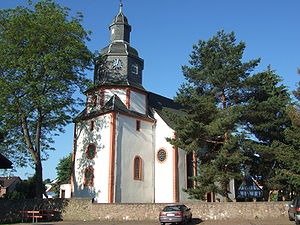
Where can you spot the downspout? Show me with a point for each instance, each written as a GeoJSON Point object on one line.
{"type": "Point", "coordinates": [154, 157]}
{"type": "Point", "coordinates": [73, 160]}
{"type": "Point", "coordinates": [111, 175]}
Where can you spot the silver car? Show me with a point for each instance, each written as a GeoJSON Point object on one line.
{"type": "Point", "coordinates": [294, 211]}
{"type": "Point", "coordinates": [175, 214]}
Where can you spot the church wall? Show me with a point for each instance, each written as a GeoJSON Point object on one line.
{"type": "Point", "coordinates": [121, 93]}
{"type": "Point", "coordinates": [138, 102]}
{"type": "Point", "coordinates": [100, 137]}
{"type": "Point", "coordinates": [132, 143]}
{"type": "Point", "coordinates": [164, 188]}
{"type": "Point", "coordinates": [182, 175]}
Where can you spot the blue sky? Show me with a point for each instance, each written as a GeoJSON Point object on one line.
{"type": "Point", "coordinates": [163, 31]}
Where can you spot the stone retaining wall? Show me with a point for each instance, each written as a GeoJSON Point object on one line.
{"type": "Point", "coordinates": [85, 210]}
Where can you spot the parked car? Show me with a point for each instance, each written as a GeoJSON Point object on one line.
{"type": "Point", "coordinates": [175, 214]}
{"type": "Point", "coordinates": [294, 211]}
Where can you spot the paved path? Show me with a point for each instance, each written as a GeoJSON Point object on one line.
{"type": "Point", "coordinates": [278, 221]}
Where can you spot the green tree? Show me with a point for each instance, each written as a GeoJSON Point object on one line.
{"type": "Point", "coordinates": [213, 99]}
{"type": "Point", "coordinates": [266, 120]}
{"type": "Point", "coordinates": [43, 58]}
{"type": "Point", "coordinates": [23, 190]}
{"type": "Point", "coordinates": [63, 171]}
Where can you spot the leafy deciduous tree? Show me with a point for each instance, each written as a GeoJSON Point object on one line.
{"type": "Point", "coordinates": [63, 171]}
{"type": "Point", "coordinates": [43, 57]}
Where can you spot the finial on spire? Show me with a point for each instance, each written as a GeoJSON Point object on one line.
{"type": "Point", "coordinates": [121, 6]}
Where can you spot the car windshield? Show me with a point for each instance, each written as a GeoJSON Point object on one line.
{"type": "Point", "coordinates": [172, 208]}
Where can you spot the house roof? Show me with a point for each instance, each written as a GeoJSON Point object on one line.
{"type": "Point", "coordinates": [4, 162]}
{"type": "Point", "coordinates": [7, 181]}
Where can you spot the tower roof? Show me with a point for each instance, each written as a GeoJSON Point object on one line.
{"type": "Point", "coordinates": [120, 64]}
{"type": "Point", "coordinates": [120, 29]}
{"type": "Point", "coordinates": [120, 18]}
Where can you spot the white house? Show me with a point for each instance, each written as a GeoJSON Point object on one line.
{"type": "Point", "coordinates": [120, 149]}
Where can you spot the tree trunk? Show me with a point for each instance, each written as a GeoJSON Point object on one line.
{"type": "Point", "coordinates": [34, 150]}
{"type": "Point", "coordinates": [39, 188]}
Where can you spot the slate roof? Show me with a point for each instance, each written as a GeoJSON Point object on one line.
{"type": "Point", "coordinates": [5, 163]}
{"type": "Point", "coordinates": [114, 104]}
{"type": "Point", "coordinates": [111, 82]}
{"type": "Point", "coordinates": [157, 103]}
{"type": "Point", "coordinates": [7, 181]}
{"type": "Point", "coordinates": [163, 105]}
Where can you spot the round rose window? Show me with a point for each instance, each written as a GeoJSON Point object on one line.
{"type": "Point", "coordinates": [161, 155]}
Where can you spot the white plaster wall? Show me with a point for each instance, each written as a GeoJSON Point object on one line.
{"type": "Point", "coordinates": [137, 102]}
{"type": "Point", "coordinates": [89, 100]}
{"type": "Point", "coordinates": [67, 189]}
{"type": "Point", "coordinates": [131, 143]}
{"type": "Point", "coordinates": [100, 136]}
{"type": "Point", "coordinates": [121, 93]}
{"type": "Point", "coordinates": [163, 170]}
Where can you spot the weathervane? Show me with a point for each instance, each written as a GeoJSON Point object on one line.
{"type": "Point", "coordinates": [121, 5]}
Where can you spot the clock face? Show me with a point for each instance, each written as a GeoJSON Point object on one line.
{"type": "Point", "coordinates": [134, 69]}
{"type": "Point", "coordinates": [116, 64]}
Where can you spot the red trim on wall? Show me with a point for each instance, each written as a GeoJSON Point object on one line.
{"type": "Point", "coordinates": [140, 175]}
{"type": "Point", "coordinates": [175, 173]}
{"type": "Point", "coordinates": [73, 160]}
{"type": "Point", "coordinates": [136, 117]}
{"type": "Point", "coordinates": [128, 98]}
{"type": "Point", "coordinates": [92, 170]}
{"type": "Point", "coordinates": [121, 113]}
{"type": "Point", "coordinates": [111, 175]}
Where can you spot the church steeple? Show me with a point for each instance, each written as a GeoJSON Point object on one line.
{"type": "Point", "coordinates": [120, 29]}
{"type": "Point", "coordinates": [120, 64]}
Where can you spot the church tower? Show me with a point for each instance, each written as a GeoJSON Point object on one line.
{"type": "Point", "coordinates": [119, 63]}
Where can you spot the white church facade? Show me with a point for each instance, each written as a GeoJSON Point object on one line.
{"type": "Point", "coordinates": [120, 152]}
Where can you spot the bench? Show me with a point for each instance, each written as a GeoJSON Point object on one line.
{"type": "Point", "coordinates": [38, 214]}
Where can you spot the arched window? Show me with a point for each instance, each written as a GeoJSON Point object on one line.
{"type": "Point", "coordinates": [90, 151]}
{"type": "Point", "coordinates": [137, 168]}
{"type": "Point", "coordinates": [92, 125]}
{"type": "Point", "coordinates": [94, 101]}
{"type": "Point", "coordinates": [138, 125]}
{"type": "Point", "coordinates": [89, 176]}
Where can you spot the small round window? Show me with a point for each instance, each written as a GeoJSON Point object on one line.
{"type": "Point", "coordinates": [91, 151]}
{"type": "Point", "coordinates": [161, 155]}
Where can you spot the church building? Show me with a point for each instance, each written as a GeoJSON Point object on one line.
{"type": "Point", "coordinates": [120, 152]}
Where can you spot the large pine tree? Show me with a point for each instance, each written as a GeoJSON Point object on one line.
{"type": "Point", "coordinates": [213, 99]}
{"type": "Point", "coordinates": [266, 120]}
